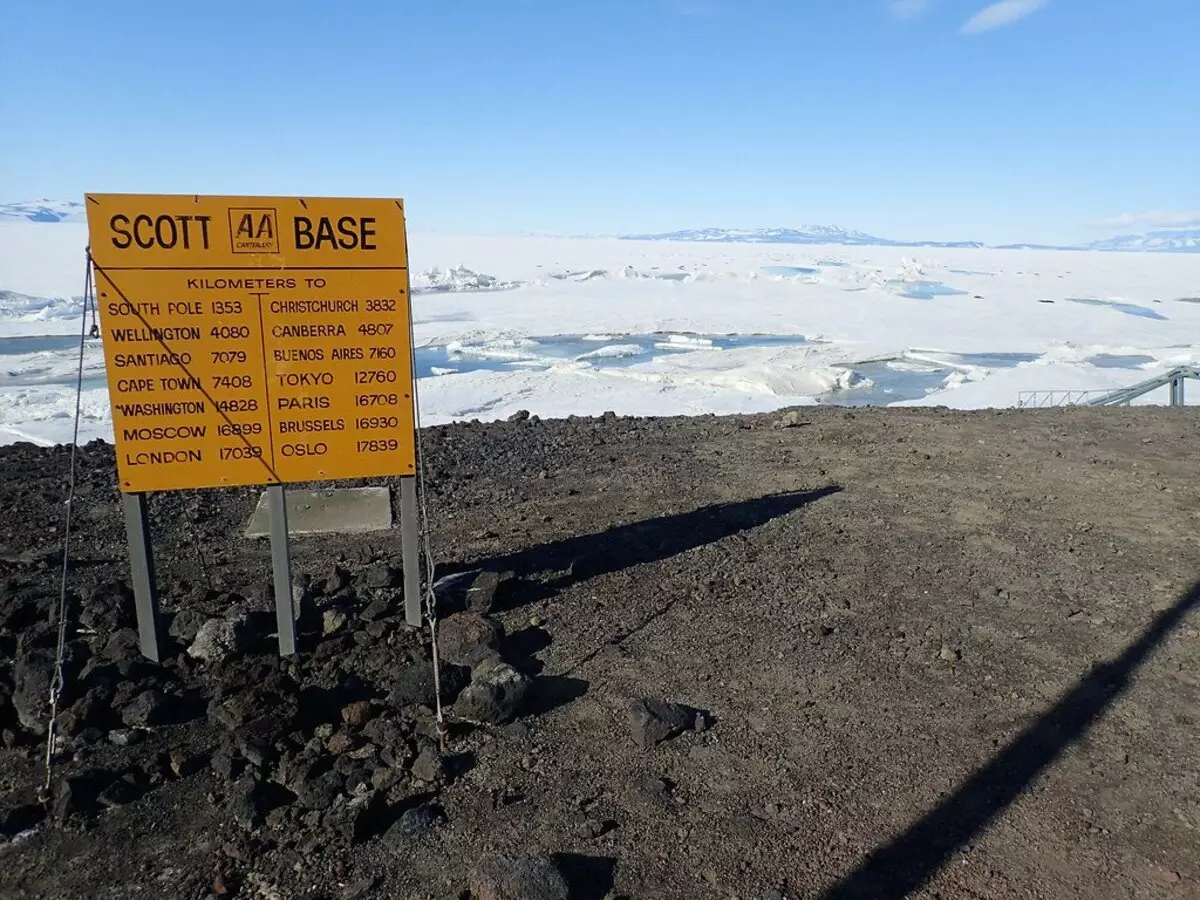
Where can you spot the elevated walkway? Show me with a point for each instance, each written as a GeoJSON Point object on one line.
{"type": "Point", "coordinates": [1122, 397]}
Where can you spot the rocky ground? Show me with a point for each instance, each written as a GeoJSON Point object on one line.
{"type": "Point", "coordinates": [827, 654]}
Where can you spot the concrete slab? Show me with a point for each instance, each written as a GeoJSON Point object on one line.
{"type": "Point", "coordinates": [335, 511]}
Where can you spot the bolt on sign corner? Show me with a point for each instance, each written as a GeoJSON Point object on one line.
{"type": "Point", "coordinates": [254, 340]}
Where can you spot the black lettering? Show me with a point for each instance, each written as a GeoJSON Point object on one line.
{"type": "Point", "coordinates": [122, 232]}
{"type": "Point", "coordinates": [304, 235]}
{"type": "Point", "coordinates": [302, 402]}
{"type": "Point", "coordinates": [368, 231]}
{"type": "Point", "coordinates": [204, 220]}
{"type": "Point", "coordinates": [138, 222]}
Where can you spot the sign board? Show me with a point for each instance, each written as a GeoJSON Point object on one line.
{"type": "Point", "coordinates": [254, 340]}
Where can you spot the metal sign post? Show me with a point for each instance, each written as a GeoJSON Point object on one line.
{"type": "Point", "coordinates": [141, 562]}
{"type": "Point", "coordinates": [281, 565]}
{"type": "Point", "coordinates": [410, 549]}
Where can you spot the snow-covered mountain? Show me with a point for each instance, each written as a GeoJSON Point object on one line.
{"type": "Point", "coordinates": [42, 211]}
{"type": "Point", "coordinates": [1182, 241]}
{"type": "Point", "coordinates": [805, 234]}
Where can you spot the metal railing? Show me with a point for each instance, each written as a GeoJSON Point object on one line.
{"type": "Point", "coordinates": [1173, 379]}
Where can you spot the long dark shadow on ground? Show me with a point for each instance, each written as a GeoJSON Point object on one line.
{"type": "Point", "coordinates": [905, 864]}
{"type": "Point", "coordinates": [571, 560]}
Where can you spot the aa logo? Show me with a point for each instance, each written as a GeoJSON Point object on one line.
{"type": "Point", "coordinates": [253, 230]}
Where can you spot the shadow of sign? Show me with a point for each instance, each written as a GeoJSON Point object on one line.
{"type": "Point", "coordinates": [908, 861]}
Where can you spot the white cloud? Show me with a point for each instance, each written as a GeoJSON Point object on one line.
{"type": "Point", "coordinates": [908, 9]}
{"type": "Point", "coordinates": [1153, 219]}
{"type": "Point", "coordinates": [1005, 12]}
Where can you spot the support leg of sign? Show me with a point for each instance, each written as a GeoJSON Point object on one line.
{"type": "Point", "coordinates": [141, 563]}
{"type": "Point", "coordinates": [410, 550]}
{"type": "Point", "coordinates": [281, 565]}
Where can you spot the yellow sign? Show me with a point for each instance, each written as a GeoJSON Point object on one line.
{"type": "Point", "coordinates": [254, 340]}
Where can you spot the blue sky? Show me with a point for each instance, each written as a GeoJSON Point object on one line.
{"type": "Point", "coordinates": [1018, 120]}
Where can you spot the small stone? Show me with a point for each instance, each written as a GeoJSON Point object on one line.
{"type": "Point", "coordinates": [337, 580]}
{"type": "Point", "coordinates": [149, 709]}
{"type": "Point", "coordinates": [360, 888]}
{"type": "Point", "coordinates": [466, 639]}
{"type": "Point", "coordinates": [186, 624]}
{"type": "Point", "coordinates": [791, 419]}
{"type": "Point", "coordinates": [121, 792]}
{"type": "Point", "coordinates": [184, 763]}
{"type": "Point", "coordinates": [320, 793]}
{"type": "Point", "coordinates": [357, 713]}
{"type": "Point", "coordinates": [382, 576]}
{"type": "Point", "coordinates": [125, 737]}
{"type": "Point", "coordinates": [417, 821]}
{"type": "Point", "coordinates": [517, 878]}
{"type": "Point", "coordinates": [414, 684]}
{"type": "Point", "coordinates": [246, 802]}
{"type": "Point", "coordinates": [332, 621]}
{"type": "Point", "coordinates": [341, 742]}
{"type": "Point", "coordinates": [220, 639]}
{"type": "Point", "coordinates": [324, 731]}
{"type": "Point", "coordinates": [521, 415]}
{"type": "Point", "coordinates": [31, 688]}
{"type": "Point", "coordinates": [427, 766]}
{"type": "Point", "coordinates": [481, 595]}
{"type": "Point", "coordinates": [949, 654]}
{"type": "Point", "coordinates": [653, 721]}
{"type": "Point", "coordinates": [494, 696]}
{"type": "Point", "coordinates": [225, 765]}
{"type": "Point", "coordinates": [375, 610]}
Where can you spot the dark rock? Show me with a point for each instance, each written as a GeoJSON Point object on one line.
{"type": "Point", "coordinates": [31, 690]}
{"type": "Point", "coordinates": [247, 802]}
{"type": "Point", "coordinates": [108, 607]}
{"type": "Point", "coordinates": [653, 721]}
{"type": "Point", "coordinates": [482, 593]}
{"type": "Point", "coordinates": [123, 646]}
{"type": "Point", "coordinates": [361, 819]}
{"type": "Point", "coordinates": [358, 889]}
{"type": "Point", "coordinates": [381, 575]}
{"type": "Point", "coordinates": [428, 765]}
{"type": "Point", "coordinates": [123, 791]}
{"type": "Point", "coordinates": [337, 580]}
{"type": "Point", "coordinates": [226, 765]}
{"type": "Point", "coordinates": [494, 696]}
{"type": "Point", "coordinates": [15, 819]}
{"type": "Point", "coordinates": [356, 713]}
{"type": "Point", "coordinates": [319, 793]}
{"type": "Point", "coordinates": [374, 610]}
{"type": "Point", "coordinates": [76, 794]}
{"type": "Point", "coordinates": [466, 639]}
{"type": "Point", "coordinates": [521, 415]}
{"type": "Point", "coordinates": [89, 711]}
{"type": "Point", "coordinates": [149, 709]}
{"type": "Point", "coordinates": [186, 624]}
{"type": "Point", "coordinates": [341, 742]}
{"type": "Point", "coordinates": [185, 763]}
{"type": "Point", "coordinates": [414, 685]}
{"type": "Point", "coordinates": [219, 640]}
{"type": "Point", "coordinates": [417, 821]}
{"type": "Point", "coordinates": [517, 878]}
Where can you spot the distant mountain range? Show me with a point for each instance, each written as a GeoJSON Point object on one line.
{"type": "Point", "coordinates": [1185, 241]}
{"type": "Point", "coordinates": [1175, 241]}
{"type": "Point", "coordinates": [805, 234]}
